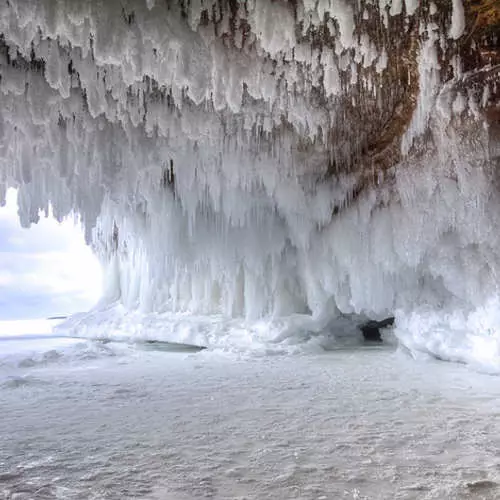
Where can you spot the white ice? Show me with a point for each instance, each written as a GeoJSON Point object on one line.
{"type": "Point", "coordinates": [195, 151]}
{"type": "Point", "coordinates": [121, 422]}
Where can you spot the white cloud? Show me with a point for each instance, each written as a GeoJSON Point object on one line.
{"type": "Point", "coordinates": [45, 270]}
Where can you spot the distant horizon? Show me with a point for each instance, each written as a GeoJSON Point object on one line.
{"type": "Point", "coordinates": [16, 327]}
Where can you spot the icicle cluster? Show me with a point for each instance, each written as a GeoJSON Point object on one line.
{"type": "Point", "coordinates": [255, 158]}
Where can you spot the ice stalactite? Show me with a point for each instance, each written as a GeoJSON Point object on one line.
{"type": "Point", "coordinates": [263, 159]}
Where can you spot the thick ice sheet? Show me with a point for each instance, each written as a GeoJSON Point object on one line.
{"type": "Point", "coordinates": [451, 335]}
{"type": "Point", "coordinates": [358, 424]}
{"type": "Point", "coordinates": [288, 334]}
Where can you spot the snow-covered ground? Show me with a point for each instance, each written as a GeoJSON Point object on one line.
{"type": "Point", "coordinates": [90, 419]}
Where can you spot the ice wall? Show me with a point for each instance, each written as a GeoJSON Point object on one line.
{"type": "Point", "coordinates": [259, 158]}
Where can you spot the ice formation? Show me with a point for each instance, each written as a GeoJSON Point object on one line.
{"type": "Point", "coordinates": [262, 159]}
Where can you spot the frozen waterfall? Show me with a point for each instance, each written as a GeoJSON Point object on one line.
{"type": "Point", "coordinates": [265, 160]}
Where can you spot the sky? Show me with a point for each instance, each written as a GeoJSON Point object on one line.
{"type": "Point", "coordinates": [46, 270]}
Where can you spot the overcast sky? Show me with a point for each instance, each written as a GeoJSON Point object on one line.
{"type": "Point", "coordinates": [46, 270]}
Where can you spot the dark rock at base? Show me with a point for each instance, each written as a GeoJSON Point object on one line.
{"type": "Point", "coordinates": [371, 329]}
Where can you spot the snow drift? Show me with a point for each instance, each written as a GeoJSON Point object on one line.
{"type": "Point", "coordinates": [260, 159]}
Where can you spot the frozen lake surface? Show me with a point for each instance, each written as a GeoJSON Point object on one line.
{"type": "Point", "coordinates": [84, 419]}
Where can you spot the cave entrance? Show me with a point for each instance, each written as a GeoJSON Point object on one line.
{"type": "Point", "coordinates": [46, 270]}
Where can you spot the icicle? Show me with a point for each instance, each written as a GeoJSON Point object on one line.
{"type": "Point", "coordinates": [225, 161]}
{"type": "Point", "coordinates": [457, 20]}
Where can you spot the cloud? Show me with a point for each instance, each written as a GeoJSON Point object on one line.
{"type": "Point", "coordinates": [45, 270]}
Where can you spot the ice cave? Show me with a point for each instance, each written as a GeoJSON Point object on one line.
{"type": "Point", "coordinates": [250, 171]}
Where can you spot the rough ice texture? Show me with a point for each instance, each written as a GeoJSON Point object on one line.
{"type": "Point", "coordinates": [221, 157]}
